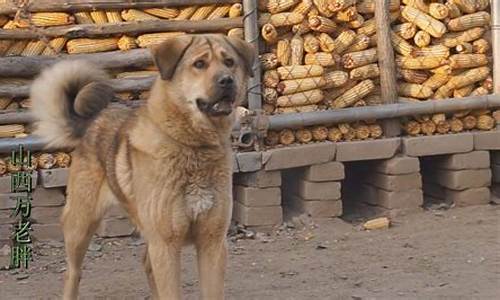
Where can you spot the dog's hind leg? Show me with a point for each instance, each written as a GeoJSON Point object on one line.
{"type": "Point", "coordinates": [81, 216]}
{"type": "Point", "coordinates": [149, 274]}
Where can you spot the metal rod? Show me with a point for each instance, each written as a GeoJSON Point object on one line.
{"type": "Point", "coordinates": [495, 31]}
{"type": "Point", "coordinates": [251, 29]}
{"type": "Point", "coordinates": [31, 143]}
{"type": "Point", "coordinates": [277, 122]}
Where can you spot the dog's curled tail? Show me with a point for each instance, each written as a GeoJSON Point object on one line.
{"type": "Point", "coordinates": [65, 99]}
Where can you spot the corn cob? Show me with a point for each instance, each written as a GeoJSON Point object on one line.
{"type": "Point", "coordinates": [99, 17]}
{"type": "Point", "coordinates": [131, 15]}
{"type": "Point", "coordinates": [335, 79]}
{"type": "Point", "coordinates": [237, 33]}
{"type": "Point", "coordinates": [356, 22]}
{"type": "Point", "coordinates": [332, 94]}
{"type": "Point", "coordinates": [368, 6]}
{"type": "Point", "coordinates": [298, 72]}
{"type": "Point", "coordinates": [150, 39]}
{"type": "Point", "coordinates": [451, 40]}
{"type": "Point", "coordinates": [479, 19]}
{"type": "Point", "coordinates": [422, 39]}
{"type": "Point", "coordinates": [11, 166]}
{"type": "Point", "coordinates": [349, 134]}
{"type": "Point", "coordinates": [4, 102]}
{"type": "Point", "coordinates": [466, 6]}
{"type": "Point", "coordinates": [405, 30]}
{"type": "Point", "coordinates": [3, 20]}
{"type": "Point", "coordinates": [485, 122]}
{"type": "Point", "coordinates": [126, 43]}
{"type": "Point", "coordinates": [272, 138]}
{"type": "Point", "coordinates": [321, 24]}
{"type": "Point", "coordinates": [9, 25]}
{"type": "Point", "coordinates": [136, 74]}
{"type": "Point", "coordinates": [428, 127]}
{"type": "Point", "coordinates": [326, 43]}
{"type": "Point", "coordinates": [16, 48]}
{"type": "Point", "coordinates": [480, 91]}
{"type": "Point", "coordinates": [437, 52]}
{"type": "Point", "coordinates": [414, 90]}
{"type": "Point", "coordinates": [438, 11]}
{"type": "Point", "coordinates": [443, 127]}
{"type": "Point", "coordinates": [164, 13]}
{"type": "Point", "coordinates": [303, 7]}
{"type": "Point", "coordinates": [463, 61]}
{"type": "Point", "coordinates": [464, 48]}
{"type": "Point", "coordinates": [319, 133]}
{"type": "Point", "coordinates": [296, 109]}
{"type": "Point", "coordinates": [33, 48]}
{"type": "Point", "coordinates": [322, 8]}
{"type": "Point", "coordinates": [303, 135]}
{"type": "Point", "coordinates": [271, 79]}
{"type": "Point", "coordinates": [3, 167]}
{"type": "Point", "coordinates": [425, 22]}
{"type": "Point", "coordinates": [418, 4]}
{"type": "Point", "coordinates": [463, 92]}
{"type": "Point", "coordinates": [51, 19]}
{"type": "Point", "coordinates": [301, 28]}
{"type": "Point", "coordinates": [46, 161]}
{"type": "Point", "coordinates": [400, 45]}
{"type": "Point", "coordinates": [344, 41]}
{"type": "Point", "coordinates": [302, 98]}
{"type": "Point", "coordinates": [362, 89]}
{"type": "Point", "coordinates": [436, 81]}
{"type": "Point", "coordinates": [413, 128]}
{"type": "Point", "coordinates": [373, 99]}
{"type": "Point", "coordinates": [277, 6]}
{"type": "Point", "coordinates": [10, 130]}
{"type": "Point", "coordinates": [186, 13]}
{"type": "Point", "coordinates": [419, 63]}
{"type": "Point", "coordinates": [269, 33]}
{"type": "Point", "coordinates": [346, 15]}
{"type": "Point", "coordinates": [321, 58]}
{"type": "Point", "coordinates": [357, 59]}
{"type": "Point", "coordinates": [413, 76]}
{"type": "Point", "coordinates": [456, 125]}
{"type": "Point", "coordinates": [488, 83]}
{"type": "Point", "coordinates": [297, 50]}
{"type": "Point", "coordinates": [286, 19]}
{"type": "Point", "coordinates": [481, 4]}
{"type": "Point", "coordinates": [283, 52]}
{"type": "Point", "coordinates": [375, 130]}
{"type": "Point", "coordinates": [294, 86]}
{"type": "Point", "coordinates": [63, 160]}
{"type": "Point", "coordinates": [91, 45]}
{"type": "Point", "coordinates": [338, 5]}
{"type": "Point", "coordinates": [235, 10]}
{"type": "Point", "coordinates": [470, 122]}
{"type": "Point", "coordinates": [368, 28]}
{"type": "Point", "coordinates": [202, 12]}
{"type": "Point", "coordinates": [219, 12]}
{"type": "Point", "coordinates": [361, 42]}
{"type": "Point", "coordinates": [480, 112]}
{"type": "Point", "coordinates": [453, 10]}
{"type": "Point", "coordinates": [481, 46]}
{"type": "Point", "coordinates": [365, 72]}
{"type": "Point", "coordinates": [287, 137]}
{"type": "Point", "coordinates": [83, 17]}
{"type": "Point", "coordinates": [268, 61]}
{"type": "Point", "coordinates": [311, 43]}
{"type": "Point", "coordinates": [270, 95]}
{"type": "Point", "coordinates": [468, 77]}
{"type": "Point", "coordinates": [4, 46]}
{"type": "Point", "coordinates": [334, 134]}
{"type": "Point", "coordinates": [114, 17]}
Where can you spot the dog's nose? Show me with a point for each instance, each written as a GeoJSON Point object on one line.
{"type": "Point", "coordinates": [225, 81]}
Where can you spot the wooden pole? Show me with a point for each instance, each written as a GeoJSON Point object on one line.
{"type": "Point", "coordinates": [387, 65]}
{"type": "Point", "coordinates": [251, 29]}
{"type": "Point", "coordinates": [90, 5]}
{"type": "Point", "coordinates": [495, 31]}
{"type": "Point", "coordinates": [132, 28]}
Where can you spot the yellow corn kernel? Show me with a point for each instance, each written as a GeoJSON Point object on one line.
{"type": "Point", "coordinates": [356, 22]}
{"type": "Point", "coordinates": [277, 6]}
{"type": "Point", "coordinates": [114, 17]}
{"type": "Point", "coordinates": [468, 77]}
{"type": "Point", "coordinates": [55, 46]}
{"type": "Point", "coordinates": [422, 39]}
{"type": "Point", "coordinates": [322, 24]}
{"type": "Point", "coordinates": [83, 17]}
{"type": "Point", "coordinates": [51, 19]}
{"type": "Point", "coordinates": [338, 5]}
{"type": "Point", "coordinates": [357, 59]}
{"type": "Point", "coordinates": [400, 45]}
{"type": "Point", "coordinates": [297, 50]}
{"type": "Point", "coordinates": [164, 13]}
{"type": "Point", "coordinates": [464, 61]}
{"type": "Point", "coordinates": [413, 76]}
{"type": "Point", "coordinates": [453, 10]}
{"type": "Point", "coordinates": [299, 71]}
{"type": "Point", "coordinates": [236, 10]}
{"type": "Point", "coordinates": [303, 7]}
{"type": "Point", "coordinates": [269, 33]}
{"type": "Point", "coordinates": [344, 41]}
{"type": "Point", "coordinates": [437, 51]}
{"type": "Point", "coordinates": [326, 43]}
{"type": "Point", "coordinates": [302, 98]}
{"type": "Point", "coordinates": [346, 15]}
{"type": "Point", "coordinates": [425, 22]}
{"type": "Point", "coordinates": [99, 17]}
{"type": "Point", "coordinates": [33, 48]}
{"type": "Point", "coordinates": [91, 45]}
{"type": "Point", "coordinates": [479, 19]}
{"type": "Point", "coordinates": [186, 13]}
{"type": "Point", "coordinates": [311, 43]}
{"type": "Point", "coordinates": [365, 72]}
{"type": "Point", "coordinates": [453, 39]}
{"type": "Point", "coordinates": [126, 43]}
{"type": "Point", "coordinates": [361, 42]}
{"type": "Point", "coordinates": [350, 97]}
{"type": "Point", "coordinates": [438, 11]}
{"type": "Point", "coordinates": [131, 15]}
{"type": "Point", "coordinates": [420, 63]}
{"type": "Point", "coordinates": [322, 8]}
{"type": "Point", "coordinates": [405, 30]}
{"type": "Point", "coordinates": [202, 12]}
{"type": "Point", "coordinates": [324, 59]}
{"type": "Point", "coordinates": [293, 86]}
{"type": "Point", "coordinates": [285, 19]}
{"type": "Point", "coordinates": [219, 12]}
{"type": "Point", "coordinates": [284, 52]}
{"type": "Point", "coordinates": [481, 46]}
{"type": "Point", "coordinates": [150, 39]}
{"type": "Point", "coordinates": [414, 90]}
{"type": "Point", "coordinates": [368, 6]}
{"type": "Point", "coordinates": [466, 6]}
{"type": "Point", "coordinates": [335, 79]}
{"type": "Point", "coordinates": [16, 48]}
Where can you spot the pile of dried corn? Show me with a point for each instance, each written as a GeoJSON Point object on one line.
{"type": "Point", "coordinates": [443, 51]}
{"type": "Point", "coordinates": [38, 161]}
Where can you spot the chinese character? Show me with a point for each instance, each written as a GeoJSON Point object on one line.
{"type": "Point", "coordinates": [19, 159]}
{"type": "Point", "coordinates": [22, 232]}
{"type": "Point", "coordinates": [23, 206]}
{"type": "Point", "coordinates": [20, 255]}
{"type": "Point", "coordinates": [21, 182]}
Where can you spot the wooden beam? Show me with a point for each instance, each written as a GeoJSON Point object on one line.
{"type": "Point", "coordinates": [10, 7]}
{"type": "Point", "coordinates": [132, 28]}
{"type": "Point", "coordinates": [495, 31]}
{"type": "Point", "coordinates": [386, 63]}
{"type": "Point", "coordinates": [252, 36]}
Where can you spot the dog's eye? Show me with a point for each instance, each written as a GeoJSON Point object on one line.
{"type": "Point", "coordinates": [229, 62]}
{"type": "Point", "coordinates": [200, 64]}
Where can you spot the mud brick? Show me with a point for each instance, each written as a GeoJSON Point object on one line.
{"type": "Point", "coordinates": [46, 215]}
{"type": "Point", "coordinates": [316, 208]}
{"type": "Point", "coordinates": [7, 201]}
{"type": "Point", "coordinates": [489, 140]}
{"type": "Point", "coordinates": [249, 161]}
{"type": "Point", "coordinates": [474, 196]}
{"type": "Point", "coordinates": [43, 232]}
{"type": "Point", "coordinates": [396, 182]}
{"type": "Point", "coordinates": [5, 232]}
{"type": "Point", "coordinates": [309, 190]}
{"type": "Point", "coordinates": [255, 216]}
{"type": "Point", "coordinates": [116, 210]}
{"type": "Point", "coordinates": [5, 182]}
{"type": "Point", "coordinates": [48, 197]}
{"type": "Point", "coordinates": [367, 150]}
{"type": "Point", "coordinates": [298, 156]}
{"type": "Point", "coordinates": [236, 168]}
{"type": "Point", "coordinates": [54, 177]}
{"type": "Point", "coordinates": [259, 179]}
{"type": "Point", "coordinates": [438, 144]}
{"type": "Point", "coordinates": [405, 199]}
{"type": "Point", "coordinates": [115, 227]}
{"type": "Point", "coordinates": [5, 217]}
{"type": "Point", "coordinates": [397, 165]}
{"type": "Point", "coordinates": [464, 161]}
{"type": "Point", "coordinates": [329, 171]}
{"type": "Point", "coordinates": [463, 179]}
{"type": "Point", "coordinates": [251, 196]}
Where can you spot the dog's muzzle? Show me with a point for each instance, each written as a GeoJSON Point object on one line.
{"type": "Point", "coordinates": [222, 103]}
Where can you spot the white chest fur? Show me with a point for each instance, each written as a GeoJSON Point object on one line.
{"type": "Point", "coordinates": [198, 200]}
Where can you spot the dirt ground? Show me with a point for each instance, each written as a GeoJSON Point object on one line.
{"type": "Point", "coordinates": [452, 254]}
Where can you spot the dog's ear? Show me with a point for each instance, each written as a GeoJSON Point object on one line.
{"type": "Point", "coordinates": [245, 51]}
{"type": "Point", "coordinates": [169, 53]}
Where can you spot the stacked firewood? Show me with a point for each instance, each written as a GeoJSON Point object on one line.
{"type": "Point", "coordinates": [40, 160]}
{"type": "Point", "coordinates": [443, 51]}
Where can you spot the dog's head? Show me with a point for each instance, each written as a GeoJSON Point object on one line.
{"type": "Point", "coordinates": [208, 72]}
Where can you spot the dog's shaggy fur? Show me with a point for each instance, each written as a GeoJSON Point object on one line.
{"type": "Point", "coordinates": [168, 163]}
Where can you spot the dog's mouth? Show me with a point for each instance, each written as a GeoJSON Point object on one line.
{"type": "Point", "coordinates": [222, 107]}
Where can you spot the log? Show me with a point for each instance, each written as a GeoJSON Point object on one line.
{"type": "Point", "coordinates": [495, 11]}
{"type": "Point", "coordinates": [92, 5]}
{"type": "Point", "coordinates": [30, 66]}
{"type": "Point", "coordinates": [132, 28]}
{"type": "Point", "coordinates": [118, 85]}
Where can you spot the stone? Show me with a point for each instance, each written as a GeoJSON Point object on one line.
{"type": "Point", "coordinates": [298, 156]}
{"type": "Point", "coordinates": [249, 161]}
{"type": "Point", "coordinates": [116, 210]}
{"type": "Point", "coordinates": [43, 232]}
{"type": "Point", "coordinates": [463, 161]}
{"type": "Point", "coordinates": [256, 216]}
{"type": "Point", "coordinates": [309, 190]}
{"type": "Point", "coordinates": [54, 177]}
{"type": "Point", "coordinates": [395, 182]}
{"type": "Point", "coordinates": [46, 215]}
{"type": "Point", "coordinates": [474, 196]}
{"type": "Point", "coordinates": [259, 178]}
{"type": "Point", "coordinates": [487, 140]}
{"type": "Point", "coordinates": [397, 165]}
{"type": "Point", "coordinates": [330, 171]}
{"type": "Point", "coordinates": [367, 150]}
{"type": "Point", "coordinates": [251, 196]}
{"type": "Point", "coordinates": [48, 197]}
{"type": "Point", "coordinates": [5, 182]}
{"type": "Point", "coordinates": [316, 208]}
{"type": "Point", "coordinates": [115, 227]}
{"type": "Point", "coordinates": [438, 144]}
{"type": "Point", "coordinates": [406, 199]}
{"type": "Point", "coordinates": [461, 180]}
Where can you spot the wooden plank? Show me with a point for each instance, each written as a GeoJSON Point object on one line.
{"type": "Point", "coordinates": [495, 31]}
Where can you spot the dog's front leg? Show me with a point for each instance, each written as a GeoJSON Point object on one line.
{"type": "Point", "coordinates": [212, 255]}
{"type": "Point", "coordinates": [166, 266]}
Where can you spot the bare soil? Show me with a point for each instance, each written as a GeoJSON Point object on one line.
{"type": "Point", "coordinates": [452, 254]}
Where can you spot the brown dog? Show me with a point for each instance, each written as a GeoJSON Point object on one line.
{"type": "Point", "coordinates": [167, 163]}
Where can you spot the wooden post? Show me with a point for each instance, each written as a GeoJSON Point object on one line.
{"type": "Point", "coordinates": [495, 31]}
{"type": "Point", "coordinates": [251, 28]}
{"type": "Point", "coordinates": [386, 64]}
